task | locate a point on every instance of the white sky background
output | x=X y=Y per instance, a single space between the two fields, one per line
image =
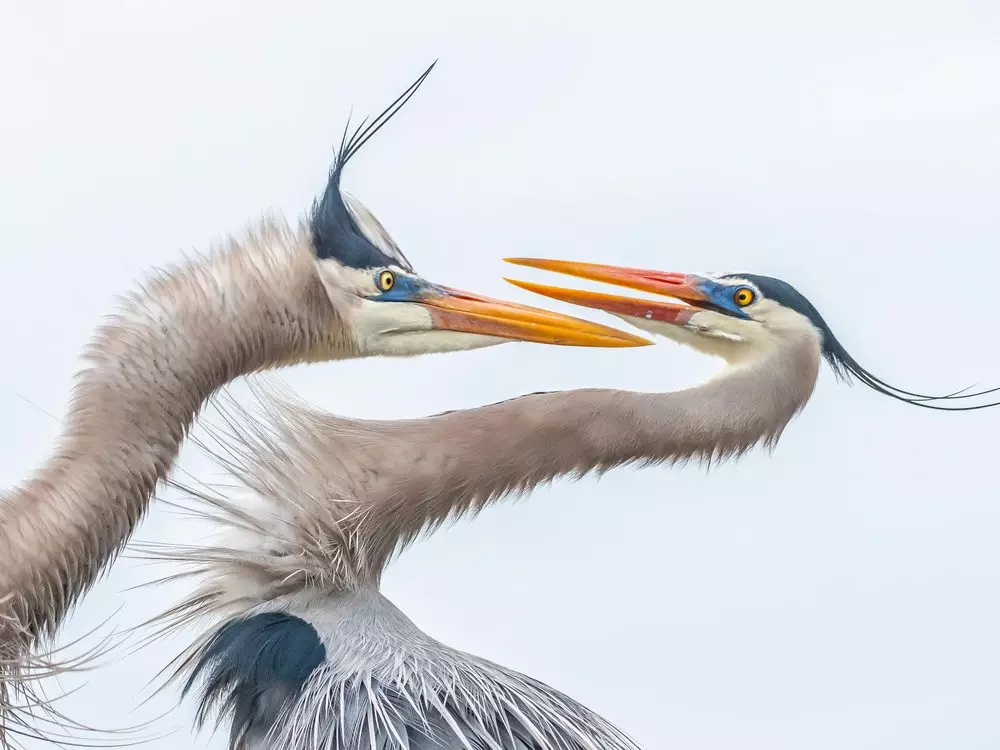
x=840 y=593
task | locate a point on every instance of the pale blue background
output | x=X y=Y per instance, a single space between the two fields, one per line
x=840 y=593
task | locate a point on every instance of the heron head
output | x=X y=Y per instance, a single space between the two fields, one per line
x=729 y=315
x=392 y=310
x=735 y=316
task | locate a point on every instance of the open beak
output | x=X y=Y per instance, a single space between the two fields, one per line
x=455 y=310
x=680 y=286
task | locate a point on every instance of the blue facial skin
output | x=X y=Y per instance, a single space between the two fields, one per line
x=410 y=289
x=720 y=296
x=406 y=289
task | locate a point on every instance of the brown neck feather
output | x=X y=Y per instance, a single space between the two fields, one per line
x=342 y=495
x=253 y=305
x=463 y=460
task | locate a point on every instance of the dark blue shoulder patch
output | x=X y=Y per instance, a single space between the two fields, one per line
x=251 y=667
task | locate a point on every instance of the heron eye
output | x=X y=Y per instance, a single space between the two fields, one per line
x=744 y=296
x=386 y=280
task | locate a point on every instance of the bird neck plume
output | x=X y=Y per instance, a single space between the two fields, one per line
x=341 y=496
x=253 y=304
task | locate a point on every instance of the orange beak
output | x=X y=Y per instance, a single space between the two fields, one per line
x=686 y=287
x=455 y=310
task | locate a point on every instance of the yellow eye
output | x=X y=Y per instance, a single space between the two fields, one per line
x=744 y=296
x=386 y=280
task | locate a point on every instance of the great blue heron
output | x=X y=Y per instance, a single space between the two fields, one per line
x=307 y=654
x=336 y=287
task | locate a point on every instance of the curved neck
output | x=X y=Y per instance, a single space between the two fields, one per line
x=148 y=370
x=376 y=485
x=463 y=460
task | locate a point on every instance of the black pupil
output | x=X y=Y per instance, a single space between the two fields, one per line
x=387 y=280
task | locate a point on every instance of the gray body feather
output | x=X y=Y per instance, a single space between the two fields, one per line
x=387 y=685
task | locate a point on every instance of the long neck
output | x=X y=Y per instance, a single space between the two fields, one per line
x=375 y=485
x=254 y=305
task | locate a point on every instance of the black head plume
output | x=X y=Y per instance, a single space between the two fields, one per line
x=843 y=364
x=335 y=232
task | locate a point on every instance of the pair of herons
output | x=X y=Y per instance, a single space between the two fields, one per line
x=303 y=651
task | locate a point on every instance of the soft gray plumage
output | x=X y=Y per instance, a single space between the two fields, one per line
x=386 y=684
